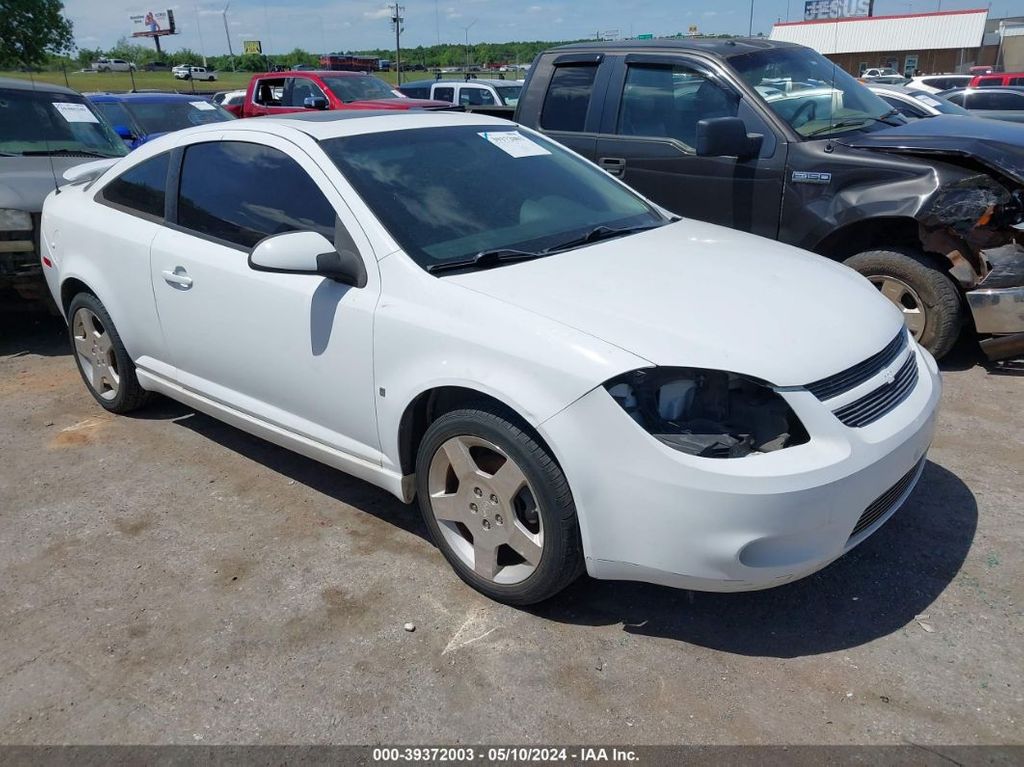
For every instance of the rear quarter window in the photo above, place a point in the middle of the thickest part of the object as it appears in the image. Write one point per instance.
(568, 97)
(140, 189)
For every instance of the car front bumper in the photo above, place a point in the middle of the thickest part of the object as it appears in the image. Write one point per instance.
(650, 513)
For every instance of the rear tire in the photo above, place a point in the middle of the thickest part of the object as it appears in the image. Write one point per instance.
(106, 368)
(498, 506)
(929, 299)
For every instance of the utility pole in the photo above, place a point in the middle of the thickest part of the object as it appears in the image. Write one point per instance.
(750, 29)
(467, 28)
(199, 29)
(227, 34)
(396, 22)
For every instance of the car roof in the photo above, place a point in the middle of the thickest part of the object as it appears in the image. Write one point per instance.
(720, 47)
(474, 81)
(990, 89)
(318, 72)
(149, 98)
(337, 123)
(893, 88)
(15, 84)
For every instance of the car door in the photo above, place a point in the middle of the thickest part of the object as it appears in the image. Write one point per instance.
(293, 350)
(268, 96)
(648, 139)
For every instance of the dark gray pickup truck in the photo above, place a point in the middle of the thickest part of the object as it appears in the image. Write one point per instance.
(44, 130)
(773, 139)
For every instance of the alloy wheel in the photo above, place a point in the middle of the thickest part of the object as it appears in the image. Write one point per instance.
(485, 509)
(906, 300)
(95, 351)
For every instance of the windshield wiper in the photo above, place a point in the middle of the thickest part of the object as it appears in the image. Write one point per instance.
(66, 153)
(486, 258)
(600, 233)
(854, 122)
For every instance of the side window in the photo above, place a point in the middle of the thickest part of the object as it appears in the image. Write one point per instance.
(995, 101)
(956, 98)
(990, 82)
(444, 93)
(303, 88)
(224, 194)
(416, 91)
(475, 97)
(669, 101)
(568, 97)
(270, 92)
(1016, 81)
(141, 188)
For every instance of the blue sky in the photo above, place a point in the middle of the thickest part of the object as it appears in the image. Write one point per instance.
(318, 25)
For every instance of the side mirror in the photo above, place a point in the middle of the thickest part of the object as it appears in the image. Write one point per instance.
(307, 253)
(314, 102)
(727, 137)
(124, 132)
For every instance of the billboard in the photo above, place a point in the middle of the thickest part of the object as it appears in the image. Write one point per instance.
(152, 23)
(837, 9)
(252, 46)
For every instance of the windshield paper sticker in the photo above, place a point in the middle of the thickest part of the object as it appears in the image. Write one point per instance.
(514, 143)
(204, 105)
(75, 113)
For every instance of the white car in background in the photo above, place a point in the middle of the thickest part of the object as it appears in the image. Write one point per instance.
(563, 375)
(914, 103)
(193, 73)
(936, 83)
(113, 65)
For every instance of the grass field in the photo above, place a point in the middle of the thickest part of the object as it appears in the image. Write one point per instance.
(121, 81)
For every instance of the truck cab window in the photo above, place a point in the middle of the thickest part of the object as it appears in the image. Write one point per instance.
(669, 101)
(568, 97)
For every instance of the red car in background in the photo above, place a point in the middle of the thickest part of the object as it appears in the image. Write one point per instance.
(997, 80)
(282, 92)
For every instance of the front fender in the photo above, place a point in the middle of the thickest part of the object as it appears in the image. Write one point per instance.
(452, 336)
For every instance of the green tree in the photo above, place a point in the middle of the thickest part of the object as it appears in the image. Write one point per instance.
(32, 30)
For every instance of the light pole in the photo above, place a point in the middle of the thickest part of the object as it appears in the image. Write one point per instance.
(396, 20)
(466, 29)
(199, 29)
(227, 34)
(750, 29)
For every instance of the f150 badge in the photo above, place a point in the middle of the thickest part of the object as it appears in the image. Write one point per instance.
(811, 177)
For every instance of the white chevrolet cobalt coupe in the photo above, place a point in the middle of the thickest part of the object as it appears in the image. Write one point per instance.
(461, 311)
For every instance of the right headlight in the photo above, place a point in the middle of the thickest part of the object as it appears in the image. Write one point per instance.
(15, 220)
(708, 413)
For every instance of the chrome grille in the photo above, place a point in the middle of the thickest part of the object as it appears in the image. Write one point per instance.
(884, 503)
(876, 404)
(852, 377)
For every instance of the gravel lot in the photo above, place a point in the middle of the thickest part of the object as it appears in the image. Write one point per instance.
(168, 579)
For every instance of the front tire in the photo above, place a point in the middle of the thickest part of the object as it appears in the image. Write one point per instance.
(106, 368)
(928, 298)
(498, 506)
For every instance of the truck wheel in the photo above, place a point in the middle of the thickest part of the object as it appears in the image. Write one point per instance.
(498, 506)
(928, 298)
(106, 368)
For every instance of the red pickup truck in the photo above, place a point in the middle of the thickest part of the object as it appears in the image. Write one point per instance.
(281, 92)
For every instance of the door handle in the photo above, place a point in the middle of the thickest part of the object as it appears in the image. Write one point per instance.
(616, 166)
(178, 278)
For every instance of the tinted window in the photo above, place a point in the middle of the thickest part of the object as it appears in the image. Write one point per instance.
(141, 188)
(243, 192)
(995, 101)
(669, 101)
(416, 91)
(358, 88)
(444, 94)
(957, 98)
(164, 117)
(568, 97)
(469, 96)
(513, 190)
(989, 82)
(1016, 81)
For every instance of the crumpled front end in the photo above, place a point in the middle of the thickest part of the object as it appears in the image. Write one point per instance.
(978, 224)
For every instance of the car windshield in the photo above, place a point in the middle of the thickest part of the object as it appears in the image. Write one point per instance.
(510, 94)
(164, 117)
(813, 95)
(510, 191)
(359, 88)
(40, 122)
(938, 103)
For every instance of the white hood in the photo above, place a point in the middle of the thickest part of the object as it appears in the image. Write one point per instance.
(694, 294)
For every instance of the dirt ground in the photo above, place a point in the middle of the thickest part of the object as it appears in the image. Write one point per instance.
(168, 579)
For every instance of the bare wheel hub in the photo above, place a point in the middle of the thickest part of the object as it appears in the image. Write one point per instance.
(486, 509)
